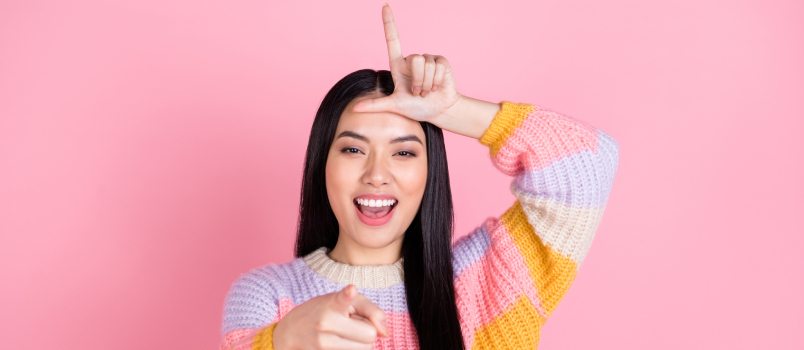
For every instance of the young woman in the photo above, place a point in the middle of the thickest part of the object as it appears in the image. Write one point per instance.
(375, 266)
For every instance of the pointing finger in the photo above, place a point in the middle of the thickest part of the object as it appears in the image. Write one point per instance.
(345, 297)
(391, 35)
(364, 307)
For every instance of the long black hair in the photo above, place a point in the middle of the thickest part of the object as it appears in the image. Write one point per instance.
(426, 246)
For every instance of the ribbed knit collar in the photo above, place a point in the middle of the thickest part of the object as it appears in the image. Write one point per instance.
(362, 276)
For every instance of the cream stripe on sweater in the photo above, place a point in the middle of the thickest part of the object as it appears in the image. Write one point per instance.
(364, 276)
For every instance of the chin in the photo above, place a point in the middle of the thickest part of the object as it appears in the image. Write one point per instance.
(373, 237)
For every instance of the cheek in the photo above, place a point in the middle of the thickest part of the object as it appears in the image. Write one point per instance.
(337, 183)
(412, 181)
(334, 184)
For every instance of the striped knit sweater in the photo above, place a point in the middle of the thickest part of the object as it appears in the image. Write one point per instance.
(510, 272)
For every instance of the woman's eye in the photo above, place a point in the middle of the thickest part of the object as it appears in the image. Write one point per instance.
(350, 150)
(406, 154)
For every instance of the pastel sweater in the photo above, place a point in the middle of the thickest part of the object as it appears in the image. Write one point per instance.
(509, 273)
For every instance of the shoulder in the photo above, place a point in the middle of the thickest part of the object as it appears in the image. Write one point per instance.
(254, 297)
(267, 281)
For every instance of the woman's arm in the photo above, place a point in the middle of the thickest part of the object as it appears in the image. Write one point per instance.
(513, 270)
(564, 170)
(252, 308)
(468, 117)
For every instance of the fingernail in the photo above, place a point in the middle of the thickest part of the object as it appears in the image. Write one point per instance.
(417, 90)
(424, 93)
(435, 87)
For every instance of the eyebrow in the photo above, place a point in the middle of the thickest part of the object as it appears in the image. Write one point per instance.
(355, 135)
(407, 138)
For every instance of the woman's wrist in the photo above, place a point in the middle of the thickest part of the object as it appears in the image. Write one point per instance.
(469, 117)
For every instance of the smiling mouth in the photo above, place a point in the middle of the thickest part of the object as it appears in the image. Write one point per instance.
(375, 209)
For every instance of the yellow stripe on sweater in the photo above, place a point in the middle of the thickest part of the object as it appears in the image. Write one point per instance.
(510, 117)
(518, 327)
(264, 339)
(552, 272)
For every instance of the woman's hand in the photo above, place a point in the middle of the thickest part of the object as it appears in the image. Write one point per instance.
(342, 320)
(424, 86)
(424, 90)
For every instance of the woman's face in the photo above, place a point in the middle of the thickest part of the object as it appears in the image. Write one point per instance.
(375, 176)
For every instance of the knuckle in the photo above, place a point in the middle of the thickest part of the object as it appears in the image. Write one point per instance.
(369, 333)
(319, 341)
(320, 325)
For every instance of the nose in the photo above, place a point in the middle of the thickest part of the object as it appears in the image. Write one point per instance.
(376, 173)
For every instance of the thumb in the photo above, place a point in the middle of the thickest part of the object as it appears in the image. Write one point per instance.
(345, 297)
(382, 104)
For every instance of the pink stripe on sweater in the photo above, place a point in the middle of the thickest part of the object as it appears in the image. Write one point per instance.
(495, 280)
(543, 138)
(234, 338)
(285, 305)
(403, 334)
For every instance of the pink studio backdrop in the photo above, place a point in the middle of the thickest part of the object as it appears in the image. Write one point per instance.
(151, 151)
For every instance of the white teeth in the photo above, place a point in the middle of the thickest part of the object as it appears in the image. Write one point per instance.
(376, 203)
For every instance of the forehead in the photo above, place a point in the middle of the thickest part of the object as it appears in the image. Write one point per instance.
(380, 126)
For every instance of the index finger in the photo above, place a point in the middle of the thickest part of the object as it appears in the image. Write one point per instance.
(365, 308)
(391, 35)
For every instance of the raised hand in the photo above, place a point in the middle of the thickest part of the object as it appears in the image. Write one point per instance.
(341, 320)
(424, 85)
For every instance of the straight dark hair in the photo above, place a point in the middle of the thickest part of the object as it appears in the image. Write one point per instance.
(426, 247)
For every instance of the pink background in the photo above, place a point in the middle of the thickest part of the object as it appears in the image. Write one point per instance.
(151, 151)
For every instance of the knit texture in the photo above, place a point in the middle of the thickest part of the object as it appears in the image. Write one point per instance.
(510, 272)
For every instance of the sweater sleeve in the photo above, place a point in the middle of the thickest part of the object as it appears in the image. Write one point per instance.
(249, 339)
(252, 310)
(525, 260)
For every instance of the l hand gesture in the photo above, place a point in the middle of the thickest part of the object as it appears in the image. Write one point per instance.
(424, 88)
